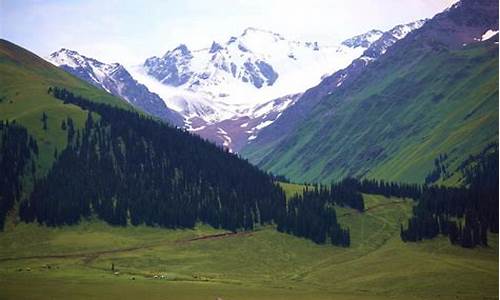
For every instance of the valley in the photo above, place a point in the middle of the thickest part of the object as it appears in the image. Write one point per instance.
(263, 264)
(342, 162)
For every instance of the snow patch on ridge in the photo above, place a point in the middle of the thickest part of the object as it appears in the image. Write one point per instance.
(489, 34)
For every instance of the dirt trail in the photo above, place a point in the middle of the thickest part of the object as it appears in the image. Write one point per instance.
(218, 236)
(375, 207)
(90, 256)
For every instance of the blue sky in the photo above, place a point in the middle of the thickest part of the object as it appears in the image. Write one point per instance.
(129, 31)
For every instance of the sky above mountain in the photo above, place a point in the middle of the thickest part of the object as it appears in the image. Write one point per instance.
(129, 31)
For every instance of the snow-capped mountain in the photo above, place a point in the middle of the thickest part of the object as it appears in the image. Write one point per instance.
(294, 115)
(115, 79)
(227, 78)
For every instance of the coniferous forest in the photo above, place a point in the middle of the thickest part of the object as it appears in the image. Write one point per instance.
(127, 168)
(16, 149)
(390, 189)
(312, 215)
(464, 214)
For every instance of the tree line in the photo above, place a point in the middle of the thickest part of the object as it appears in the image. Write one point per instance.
(312, 215)
(390, 189)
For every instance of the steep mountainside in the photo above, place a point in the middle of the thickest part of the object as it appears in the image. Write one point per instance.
(115, 79)
(434, 92)
(296, 114)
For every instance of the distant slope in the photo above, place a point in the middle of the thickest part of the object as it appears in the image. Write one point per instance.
(235, 131)
(434, 92)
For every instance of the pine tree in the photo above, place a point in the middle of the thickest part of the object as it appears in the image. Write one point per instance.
(44, 121)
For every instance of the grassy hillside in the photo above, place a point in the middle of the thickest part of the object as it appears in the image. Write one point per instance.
(396, 119)
(292, 189)
(262, 264)
(23, 97)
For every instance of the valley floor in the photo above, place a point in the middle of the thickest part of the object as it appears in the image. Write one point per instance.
(75, 262)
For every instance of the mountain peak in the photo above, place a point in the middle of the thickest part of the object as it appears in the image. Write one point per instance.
(400, 31)
(257, 31)
(182, 49)
(73, 59)
(64, 51)
(67, 57)
(115, 79)
(254, 29)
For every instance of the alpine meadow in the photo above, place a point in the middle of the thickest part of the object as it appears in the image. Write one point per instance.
(323, 150)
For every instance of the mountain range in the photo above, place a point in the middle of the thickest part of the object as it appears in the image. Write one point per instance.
(230, 91)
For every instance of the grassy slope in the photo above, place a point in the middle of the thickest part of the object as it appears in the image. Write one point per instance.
(396, 119)
(292, 189)
(263, 264)
(25, 79)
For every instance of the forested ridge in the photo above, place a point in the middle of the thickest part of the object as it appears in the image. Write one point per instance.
(130, 169)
